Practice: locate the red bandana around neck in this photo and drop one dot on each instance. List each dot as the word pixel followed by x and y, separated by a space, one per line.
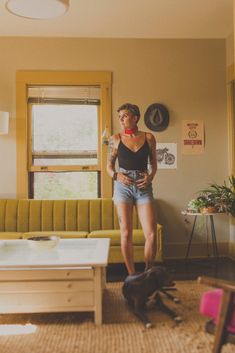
pixel 131 131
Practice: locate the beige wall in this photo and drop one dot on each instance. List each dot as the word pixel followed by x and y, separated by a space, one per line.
pixel 230 50
pixel 188 76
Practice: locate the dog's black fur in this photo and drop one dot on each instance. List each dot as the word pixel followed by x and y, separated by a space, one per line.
pixel 139 289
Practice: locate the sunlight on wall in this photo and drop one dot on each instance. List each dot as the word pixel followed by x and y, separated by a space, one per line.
pixel 17 329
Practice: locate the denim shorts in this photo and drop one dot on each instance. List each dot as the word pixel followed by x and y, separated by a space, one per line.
pixel 131 193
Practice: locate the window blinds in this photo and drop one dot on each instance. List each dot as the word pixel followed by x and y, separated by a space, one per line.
pixel 64 94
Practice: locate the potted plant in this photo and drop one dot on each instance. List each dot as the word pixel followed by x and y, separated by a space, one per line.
pixel 222 197
pixel 192 206
pixel 215 198
pixel 203 204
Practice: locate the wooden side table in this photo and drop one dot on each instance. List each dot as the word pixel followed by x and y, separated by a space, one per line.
pixel 213 234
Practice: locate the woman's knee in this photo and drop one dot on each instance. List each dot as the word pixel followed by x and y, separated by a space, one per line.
pixel 126 234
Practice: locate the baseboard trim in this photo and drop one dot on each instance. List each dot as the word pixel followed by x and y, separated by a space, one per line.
pixel 232 250
pixel 197 250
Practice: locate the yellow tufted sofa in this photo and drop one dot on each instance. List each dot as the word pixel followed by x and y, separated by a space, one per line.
pixel 95 218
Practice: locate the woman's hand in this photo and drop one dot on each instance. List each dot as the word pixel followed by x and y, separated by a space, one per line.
pixel 124 179
pixel 145 180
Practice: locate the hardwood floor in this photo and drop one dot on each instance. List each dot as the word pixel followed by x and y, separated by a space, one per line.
pixel 180 270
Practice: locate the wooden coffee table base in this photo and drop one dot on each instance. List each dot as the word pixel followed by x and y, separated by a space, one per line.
pixel 68 278
pixel 52 290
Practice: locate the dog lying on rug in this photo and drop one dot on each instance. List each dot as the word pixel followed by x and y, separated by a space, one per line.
pixel 139 289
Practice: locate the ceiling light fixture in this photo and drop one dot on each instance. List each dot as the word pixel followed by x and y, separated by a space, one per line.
pixel 37 9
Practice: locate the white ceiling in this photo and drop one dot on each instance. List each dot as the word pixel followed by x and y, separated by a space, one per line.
pixel 128 19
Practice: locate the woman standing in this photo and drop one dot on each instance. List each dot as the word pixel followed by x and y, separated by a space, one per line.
pixel 134 149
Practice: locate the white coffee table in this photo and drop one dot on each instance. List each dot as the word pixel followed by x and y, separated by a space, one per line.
pixel 67 278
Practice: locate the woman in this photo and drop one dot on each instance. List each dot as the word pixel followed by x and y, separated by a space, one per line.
pixel 134 149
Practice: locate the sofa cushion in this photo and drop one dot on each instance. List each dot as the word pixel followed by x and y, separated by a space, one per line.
pixel 114 235
pixel 62 234
pixel 11 235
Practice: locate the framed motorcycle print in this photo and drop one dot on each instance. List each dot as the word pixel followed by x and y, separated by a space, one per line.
pixel 166 155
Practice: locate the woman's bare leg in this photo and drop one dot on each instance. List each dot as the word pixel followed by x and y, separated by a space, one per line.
pixel 125 212
pixel 147 217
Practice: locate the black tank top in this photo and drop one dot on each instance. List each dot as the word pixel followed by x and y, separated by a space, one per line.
pixel 130 160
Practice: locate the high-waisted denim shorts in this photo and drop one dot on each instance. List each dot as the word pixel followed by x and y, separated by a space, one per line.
pixel 131 193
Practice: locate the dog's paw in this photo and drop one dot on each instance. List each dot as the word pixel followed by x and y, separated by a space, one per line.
pixel 176 300
pixel 148 325
pixel 178 319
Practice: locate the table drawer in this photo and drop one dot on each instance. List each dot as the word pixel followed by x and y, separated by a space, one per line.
pixel 30 302
pixel 46 274
pixel 46 286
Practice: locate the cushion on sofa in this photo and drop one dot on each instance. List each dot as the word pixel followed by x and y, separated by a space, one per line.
pixel 61 234
pixel 11 235
pixel 114 235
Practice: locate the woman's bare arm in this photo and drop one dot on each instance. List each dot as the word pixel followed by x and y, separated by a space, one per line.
pixel 153 155
pixel 112 156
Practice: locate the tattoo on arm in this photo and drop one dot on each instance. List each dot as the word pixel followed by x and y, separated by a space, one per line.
pixel 120 219
pixel 111 152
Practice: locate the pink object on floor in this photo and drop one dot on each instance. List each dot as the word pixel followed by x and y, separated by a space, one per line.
pixel 209 306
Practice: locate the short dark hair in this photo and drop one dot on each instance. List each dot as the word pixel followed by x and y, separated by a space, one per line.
pixel 132 108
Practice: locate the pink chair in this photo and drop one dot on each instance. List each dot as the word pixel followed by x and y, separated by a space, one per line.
pixel 219 305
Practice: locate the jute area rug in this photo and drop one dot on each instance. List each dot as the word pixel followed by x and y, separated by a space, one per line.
pixel 120 332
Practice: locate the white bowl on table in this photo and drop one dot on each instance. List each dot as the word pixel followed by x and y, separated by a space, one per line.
pixel 43 242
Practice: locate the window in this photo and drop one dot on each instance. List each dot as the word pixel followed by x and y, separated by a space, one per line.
pixel 65 185
pixel 64 133
pixel 63 128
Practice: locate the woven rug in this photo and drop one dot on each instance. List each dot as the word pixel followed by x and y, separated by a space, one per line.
pixel 121 332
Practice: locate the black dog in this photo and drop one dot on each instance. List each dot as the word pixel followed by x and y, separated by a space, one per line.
pixel 140 289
